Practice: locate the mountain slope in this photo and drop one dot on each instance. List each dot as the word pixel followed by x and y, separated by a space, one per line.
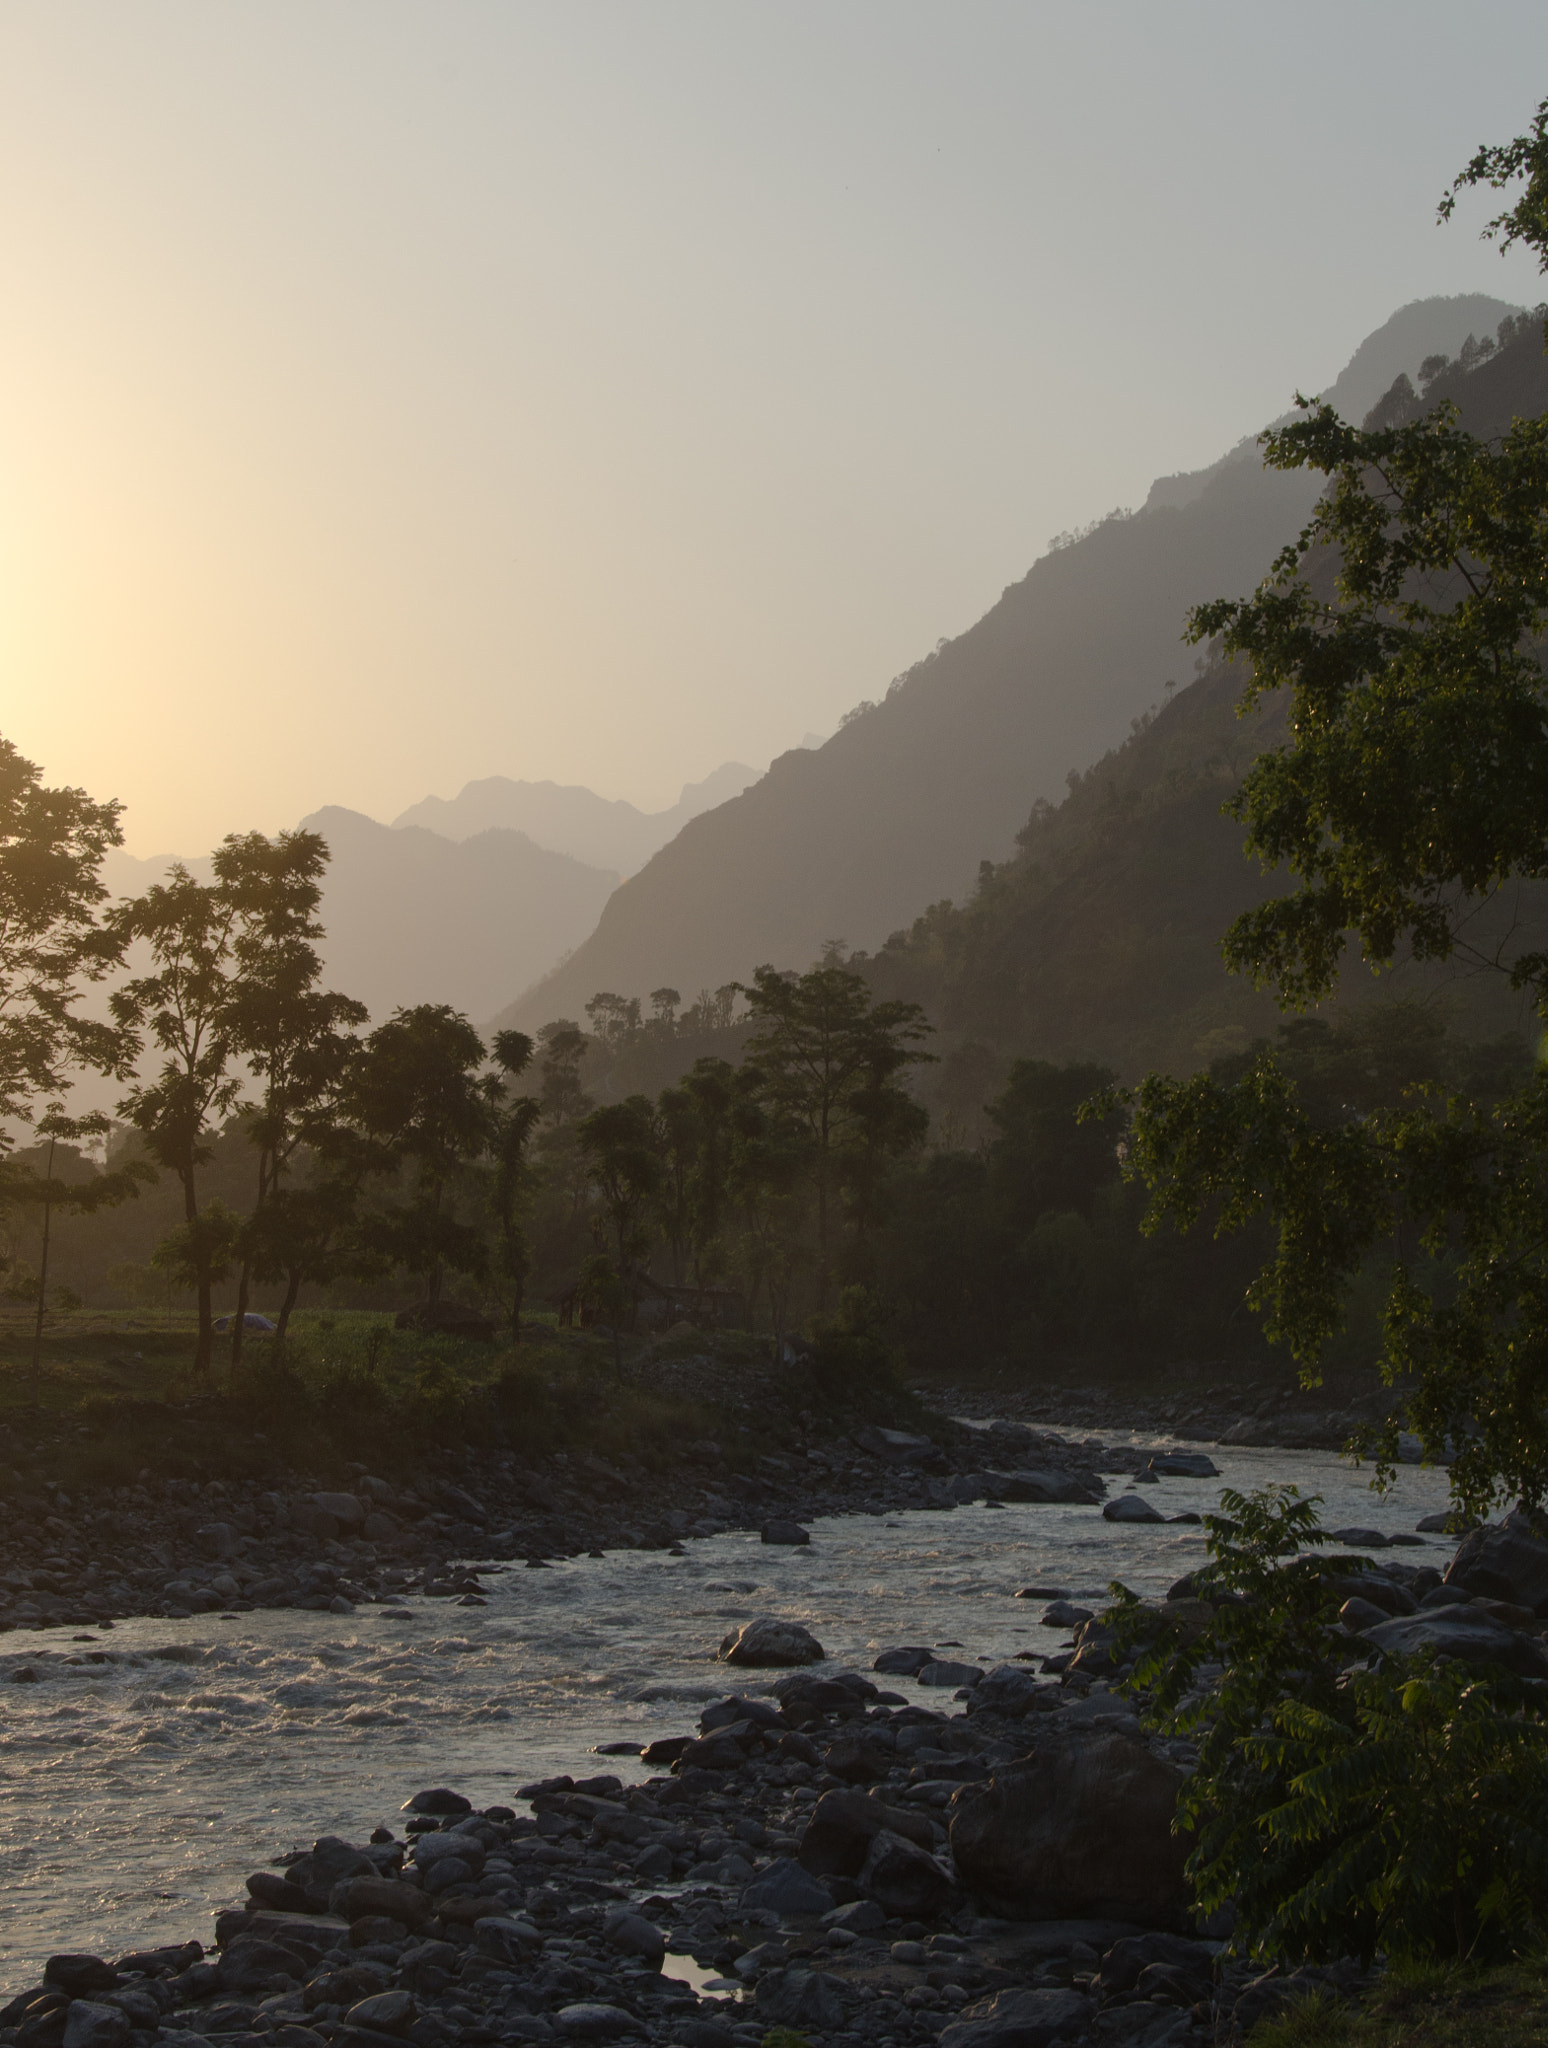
pixel 899 808
pixel 568 819
pixel 411 917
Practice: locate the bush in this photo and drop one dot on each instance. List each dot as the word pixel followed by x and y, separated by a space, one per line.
pixel 1401 1807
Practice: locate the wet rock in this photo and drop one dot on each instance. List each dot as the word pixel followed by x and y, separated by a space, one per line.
pixel 438 1801
pixel 903 1663
pixel 1080 1830
pixel 860 1916
pixel 1063 1614
pixel 771 1643
pixel 666 1749
pixel 277 1893
pixel 1070 1488
pixel 1129 1507
pixel 1021 2019
pixel 1007 1690
pixel 785 1887
pixel 946 1671
pixel 505 1939
pixel 1185 1465
pixel 903 1879
pixel 789 1533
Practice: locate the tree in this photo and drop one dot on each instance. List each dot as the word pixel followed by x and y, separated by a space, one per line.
pixel 418 1090
pixel 84 1197
pixel 1405 627
pixel 52 843
pixel 298 1040
pixel 827 1057
pixel 184 1003
pixel 622 1145
pixel 515 1121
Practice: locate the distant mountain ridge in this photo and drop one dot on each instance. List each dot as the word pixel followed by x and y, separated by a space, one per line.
pixel 412 917
pixel 603 832
pixel 906 800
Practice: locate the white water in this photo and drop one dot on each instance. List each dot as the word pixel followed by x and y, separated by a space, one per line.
pixel 136 1794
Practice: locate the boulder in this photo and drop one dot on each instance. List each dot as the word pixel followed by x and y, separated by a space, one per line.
pixel 843 1826
pixel 1063 1614
pixel 1184 1465
pixel 438 1801
pixel 903 1663
pixel 904 1880
pixel 590 2022
pixel 1129 1507
pixel 1467 1633
pixel 344 1508
pixel 1082 1829
pixel 789 1533
pixel 387 2012
pixel 946 1671
pixel 385 1898
pixel 633 1935
pixel 1048 1486
pixel 459 1846
pixel 1021 2019
pixel 249 1964
pixel 311 1935
pixel 1358 1614
pixel 1504 1561
pixel 800 1999
pixel 505 1939
pixel 771 1643
pixel 1126 1960
pixel 1007 1689
pixel 79 1975
pixel 786 1888
pixel 89 2025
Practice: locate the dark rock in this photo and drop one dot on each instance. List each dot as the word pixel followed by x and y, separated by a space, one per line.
pixel 440 1801
pixel 1129 1507
pixel 1080 1830
pixel 800 1999
pixel 89 2025
pixel 1504 1561
pixel 947 1671
pixel 1127 1959
pixel 1021 2019
pixel 79 1975
pixel 633 1935
pixel 278 1893
pixel 1361 1614
pixel 1185 1465
pixel 785 1887
pixel 789 1533
pixel 904 1663
pixel 589 2022
pixel 767 1642
pixel 666 1749
pixel 843 1826
pixel 385 1898
pixel 387 2012
pixel 1064 1614
pixel 1466 1633
pixel 249 1965
pixel 902 1878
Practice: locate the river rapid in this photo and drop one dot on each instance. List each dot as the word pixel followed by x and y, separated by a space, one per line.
pixel 151 1766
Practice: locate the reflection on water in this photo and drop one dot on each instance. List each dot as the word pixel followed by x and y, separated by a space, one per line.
pixel 152 1767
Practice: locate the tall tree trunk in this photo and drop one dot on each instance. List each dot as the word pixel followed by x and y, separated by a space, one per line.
pixel 37 1328
pixel 292 1289
pixel 204 1345
pixel 239 1321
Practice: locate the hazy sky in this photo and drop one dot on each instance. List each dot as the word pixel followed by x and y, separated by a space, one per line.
pixel 394 394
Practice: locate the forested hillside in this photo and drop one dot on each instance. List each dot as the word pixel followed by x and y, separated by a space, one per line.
pixel 904 802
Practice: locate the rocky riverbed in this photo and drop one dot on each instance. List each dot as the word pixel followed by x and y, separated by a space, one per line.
pixel 82 1556
pixel 928 1849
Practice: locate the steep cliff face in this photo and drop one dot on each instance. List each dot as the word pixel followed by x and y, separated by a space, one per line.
pixel 902 805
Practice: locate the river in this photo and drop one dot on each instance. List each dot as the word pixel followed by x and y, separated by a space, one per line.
pixel 154 1764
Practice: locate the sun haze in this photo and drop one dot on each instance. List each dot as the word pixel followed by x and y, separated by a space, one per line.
pixel 394 396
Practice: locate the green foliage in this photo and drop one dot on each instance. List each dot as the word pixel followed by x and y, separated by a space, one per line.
pixel 851 1354
pixel 52 843
pixel 787 2037
pixel 1399 1808
pixel 1403 631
